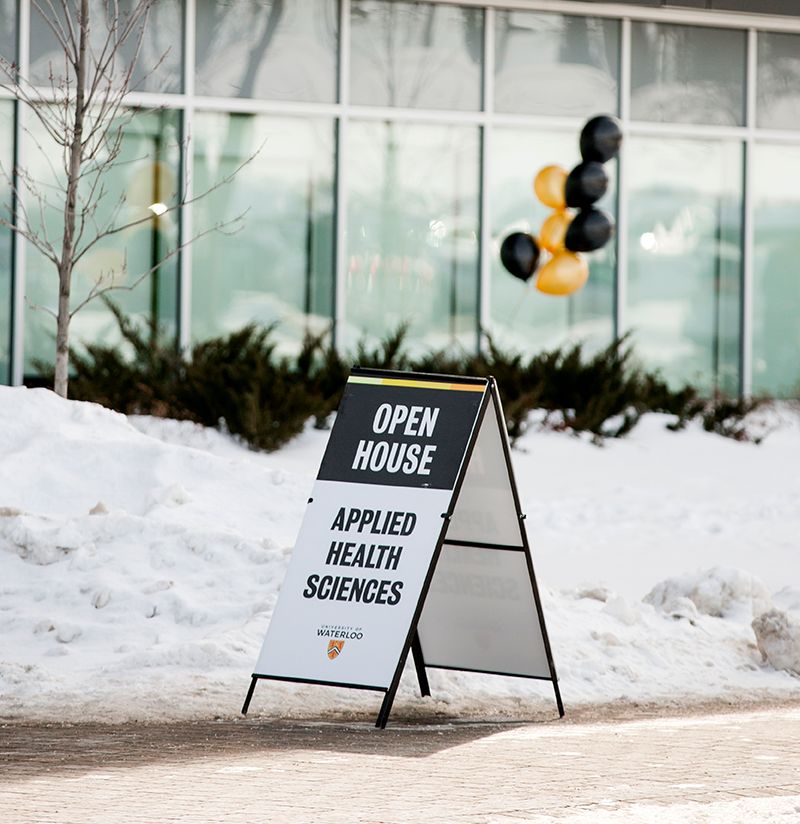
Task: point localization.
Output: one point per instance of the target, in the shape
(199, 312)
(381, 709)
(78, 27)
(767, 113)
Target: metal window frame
(342, 112)
(184, 319)
(748, 229)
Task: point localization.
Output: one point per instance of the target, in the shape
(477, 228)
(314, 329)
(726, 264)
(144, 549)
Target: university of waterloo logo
(335, 649)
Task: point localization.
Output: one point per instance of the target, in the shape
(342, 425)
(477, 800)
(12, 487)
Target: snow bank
(140, 561)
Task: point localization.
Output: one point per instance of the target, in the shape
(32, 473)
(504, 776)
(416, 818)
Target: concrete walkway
(743, 766)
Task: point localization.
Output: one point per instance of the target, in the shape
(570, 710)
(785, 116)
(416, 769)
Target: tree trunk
(74, 160)
(61, 382)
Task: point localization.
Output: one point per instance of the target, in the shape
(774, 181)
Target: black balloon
(586, 183)
(520, 255)
(601, 138)
(590, 229)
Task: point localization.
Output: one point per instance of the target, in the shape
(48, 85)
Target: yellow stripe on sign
(458, 387)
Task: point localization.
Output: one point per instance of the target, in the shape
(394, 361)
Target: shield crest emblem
(334, 649)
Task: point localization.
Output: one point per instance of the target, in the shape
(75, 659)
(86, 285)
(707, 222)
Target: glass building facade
(365, 158)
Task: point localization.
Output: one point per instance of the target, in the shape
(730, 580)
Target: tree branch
(37, 308)
(98, 290)
(114, 230)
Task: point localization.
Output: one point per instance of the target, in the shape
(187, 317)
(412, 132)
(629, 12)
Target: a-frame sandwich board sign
(413, 540)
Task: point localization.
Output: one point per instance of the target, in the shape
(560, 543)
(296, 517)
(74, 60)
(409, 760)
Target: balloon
(586, 183)
(563, 274)
(601, 138)
(590, 230)
(551, 235)
(549, 186)
(520, 254)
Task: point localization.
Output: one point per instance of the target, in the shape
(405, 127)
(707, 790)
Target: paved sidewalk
(316, 773)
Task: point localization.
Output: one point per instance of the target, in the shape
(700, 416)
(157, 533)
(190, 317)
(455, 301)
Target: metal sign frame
(412, 642)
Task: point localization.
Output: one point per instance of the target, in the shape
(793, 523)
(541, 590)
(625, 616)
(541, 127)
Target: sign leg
(386, 707)
(558, 697)
(419, 665)
(249, 695)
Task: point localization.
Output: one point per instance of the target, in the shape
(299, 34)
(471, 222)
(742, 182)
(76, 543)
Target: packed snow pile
(140, 561)
(778, 637)
(721, 592)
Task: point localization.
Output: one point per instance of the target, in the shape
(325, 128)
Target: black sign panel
(401, 432)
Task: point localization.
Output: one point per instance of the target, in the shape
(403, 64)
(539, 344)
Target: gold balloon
(563, 274)
(549, 186)
(554, 230)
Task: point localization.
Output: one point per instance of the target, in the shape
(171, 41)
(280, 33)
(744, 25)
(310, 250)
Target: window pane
(267, 49)
(278, 269)
(416, 55)
(8, 30)
(776, 285)
(145, 173)
(555, 64)
(6, 165)
(522, 318)
(158, 68)
(684, 258)
(683, 74)
(778, 105)
(412, 233)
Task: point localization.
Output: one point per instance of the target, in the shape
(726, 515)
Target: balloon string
(515, 314)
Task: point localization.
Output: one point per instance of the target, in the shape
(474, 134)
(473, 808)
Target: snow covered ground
(140, 560)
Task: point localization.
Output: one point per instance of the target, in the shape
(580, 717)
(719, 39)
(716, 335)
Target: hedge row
(238, 383)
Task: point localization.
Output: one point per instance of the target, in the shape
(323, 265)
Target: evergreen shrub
(235, 382)
(238, 383)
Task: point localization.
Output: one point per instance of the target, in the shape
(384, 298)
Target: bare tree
(83, 110)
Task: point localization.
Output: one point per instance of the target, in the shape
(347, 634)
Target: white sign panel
(353, 584)
(377, 513)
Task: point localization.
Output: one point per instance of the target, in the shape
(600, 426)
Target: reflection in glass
(412, 233)
(684, 258)
(6, 164)
(778, 105)
(158, 68)
(416, 55)
(555, 64)
(278, 268)
(8, 30)
(145, 173)
(687, 74)
(267, 49)
(522, 318)
(776, 281)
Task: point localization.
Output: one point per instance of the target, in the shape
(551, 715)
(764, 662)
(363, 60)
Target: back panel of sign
(486, 511)
(480, 614)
